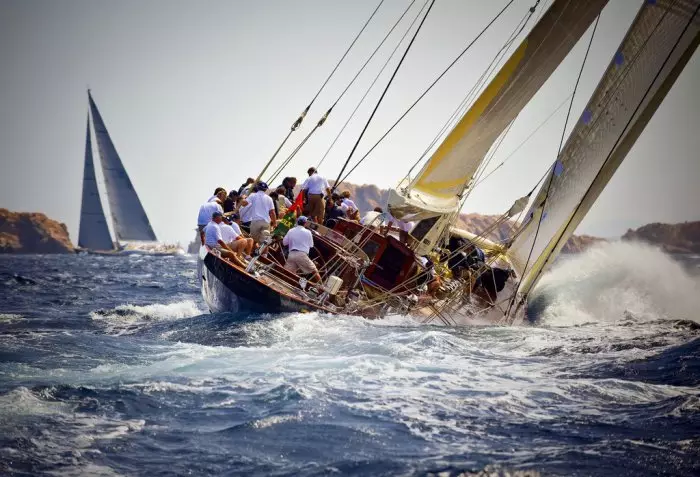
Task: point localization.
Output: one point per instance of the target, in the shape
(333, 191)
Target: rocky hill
(26, 232)
(673, 238)
(367, 197)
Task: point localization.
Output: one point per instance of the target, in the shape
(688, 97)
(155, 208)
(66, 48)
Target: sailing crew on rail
(215, 240)
(205, 213)
(349, 206)
(300, 241)
(315, 186)
(262, 212)
(233, 237)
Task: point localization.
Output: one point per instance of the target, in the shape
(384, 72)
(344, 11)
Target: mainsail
(653, 53)
(94, 232)
(438, 187)
(128, 216)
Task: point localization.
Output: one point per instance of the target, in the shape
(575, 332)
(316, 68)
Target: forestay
(657, 46)
(94, 232)
(438, 187)
(128, 216)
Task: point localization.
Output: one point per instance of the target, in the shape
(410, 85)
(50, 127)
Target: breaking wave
(616, 281)
(126, 319)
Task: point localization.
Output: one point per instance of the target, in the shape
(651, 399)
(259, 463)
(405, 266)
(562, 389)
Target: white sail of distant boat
(129, 219)
(656, 48)
(94, 231)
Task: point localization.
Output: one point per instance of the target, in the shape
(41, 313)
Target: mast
(128, 215)
(656, 48)
(94, 232)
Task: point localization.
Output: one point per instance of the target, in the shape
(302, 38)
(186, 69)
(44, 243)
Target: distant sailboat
(133, 230)
(94, 231)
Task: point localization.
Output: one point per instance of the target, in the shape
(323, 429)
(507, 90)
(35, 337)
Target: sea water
(113, 366)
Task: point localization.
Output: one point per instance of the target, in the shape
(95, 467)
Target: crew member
(349, 207)
(245, 185)
(205, 214)
(373, 218)
(404, 227)
(289, 183)
(230, 201)
(262, 214)
(214, 239)
(231, 234)
(314, 187)
(300, 241)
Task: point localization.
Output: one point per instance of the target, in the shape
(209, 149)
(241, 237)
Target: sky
(197, 95)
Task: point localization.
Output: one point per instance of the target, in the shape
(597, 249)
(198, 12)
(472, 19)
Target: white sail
(94, 232)
(657, 46)
(128, 216)
(440, 184)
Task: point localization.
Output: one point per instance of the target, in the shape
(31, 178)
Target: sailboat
(133, 231)
(371, 274)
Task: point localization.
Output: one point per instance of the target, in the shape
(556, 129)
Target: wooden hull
(226, 288)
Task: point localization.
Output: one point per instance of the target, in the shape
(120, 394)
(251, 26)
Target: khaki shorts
(299, 261)
(315, 206)
(259, 230)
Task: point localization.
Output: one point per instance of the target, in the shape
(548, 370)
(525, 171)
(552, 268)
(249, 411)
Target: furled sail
(94, 232)
(437, 188)
(128, 216)
(653, 53)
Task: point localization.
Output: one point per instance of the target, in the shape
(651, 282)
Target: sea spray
(615, 281)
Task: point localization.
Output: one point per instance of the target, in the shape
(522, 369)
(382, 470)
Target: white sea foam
(615, 281)
(125, 319)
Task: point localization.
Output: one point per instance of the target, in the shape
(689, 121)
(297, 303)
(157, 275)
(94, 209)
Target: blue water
(111, 366)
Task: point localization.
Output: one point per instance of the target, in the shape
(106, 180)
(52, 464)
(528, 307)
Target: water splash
(126, 319)
(616, 281)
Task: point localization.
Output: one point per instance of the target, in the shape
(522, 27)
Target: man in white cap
(300, 240)
(262, 213)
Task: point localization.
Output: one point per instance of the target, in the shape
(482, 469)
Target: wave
(126, 319)
(616, 281)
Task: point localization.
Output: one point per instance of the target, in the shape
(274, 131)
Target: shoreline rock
(32, 232)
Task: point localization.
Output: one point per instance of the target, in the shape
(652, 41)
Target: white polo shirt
(315, 184)
(299, 238)
(349, 204)
(373, 218)
(261, 204)
(206, 211)
(228, 232)
(212, 234)
(246, 213)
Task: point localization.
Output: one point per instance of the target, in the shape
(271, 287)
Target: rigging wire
(376, 78)
(629, 121)
(396, 70)
(328, 112)
(561, 144)
(300, 119)
(461, 54)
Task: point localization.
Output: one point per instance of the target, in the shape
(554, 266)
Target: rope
(396, 70)
(561, 144)
(325, 116)
(386, 63)
(461, 54)
(300, 119)
(629, 121)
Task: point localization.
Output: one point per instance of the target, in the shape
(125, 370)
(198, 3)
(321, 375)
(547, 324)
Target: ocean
(113, 366)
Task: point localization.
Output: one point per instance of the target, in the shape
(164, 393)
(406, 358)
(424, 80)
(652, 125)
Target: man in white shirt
(404, 227)
(205, 214)
(262, 214)
(231, 234)
(314, 187)
(373, 218)
(213, 239)
(300, 241)
(349, 206)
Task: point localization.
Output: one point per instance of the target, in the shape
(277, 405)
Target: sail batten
(655, 49)
(128, 215)
(94, 231)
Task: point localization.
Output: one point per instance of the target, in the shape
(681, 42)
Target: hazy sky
(199, 94)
